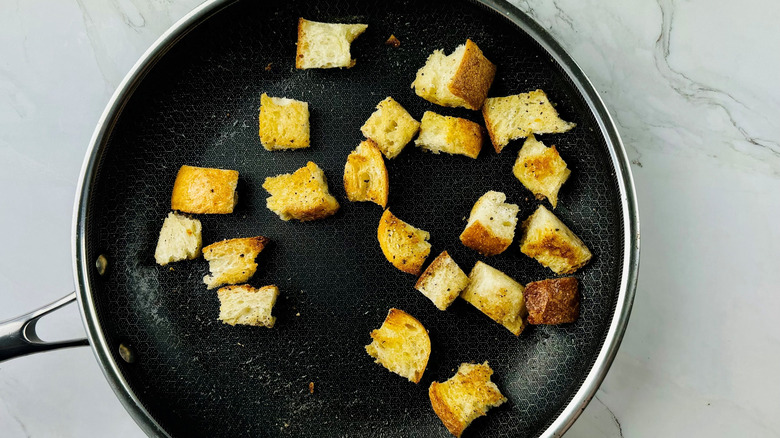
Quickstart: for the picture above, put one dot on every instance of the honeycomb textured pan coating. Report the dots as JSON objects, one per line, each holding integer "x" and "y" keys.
{"x": 199, "y": 106}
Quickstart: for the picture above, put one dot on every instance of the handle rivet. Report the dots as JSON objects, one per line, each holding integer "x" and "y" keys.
{"x": 101, "y": 264}
{"x": 126, "y": 353}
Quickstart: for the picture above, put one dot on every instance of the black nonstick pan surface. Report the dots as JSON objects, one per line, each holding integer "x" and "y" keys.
{"x": 198, "y": 104}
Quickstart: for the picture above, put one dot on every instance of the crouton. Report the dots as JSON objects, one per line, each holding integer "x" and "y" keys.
{"x": 491, "y": 225}
{"x": 232, "y": 261}
{"x": 541, "y": 170}
{"x": 365, "y": 175}
{"x": 391, "y": 127}
{"x": 204, "y": 190}
{"x": 302, "y": 195}
{"x": 246, "y": 305}
{"x": 461, "y": 79}
{"x": 451, "y": 135}
{"x": 553, "y": 301}
{"x": 517, "y": 116}
{"x": 498, "y": 296}
{"x": 442, "y": 281}
{"x": 552, "y": 243}
{"x": 284, "y": 123}
{"x": 403, "y": 245}
{"x": 466, "y": 396}
{"x": 180, "y": 239}
{"x": 325, "y": 45}
{"x": 401, "y": 345}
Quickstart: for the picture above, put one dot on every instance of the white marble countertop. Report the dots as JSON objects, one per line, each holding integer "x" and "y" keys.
{"x": 692, "y": 87}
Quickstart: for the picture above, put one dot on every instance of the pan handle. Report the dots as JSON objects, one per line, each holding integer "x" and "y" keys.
{"x": 18, "y": 337}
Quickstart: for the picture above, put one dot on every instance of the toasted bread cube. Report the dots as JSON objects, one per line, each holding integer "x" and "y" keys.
{"x": 451, "y": 135}
{"x": 462, "y": 78}
{"x": 465, "y": 397}
{"x": 365, "y": 175}
{"x": 541, "y": 169}
{"x": 301, "y": 195}
{"x": 284, "y": 123}
{"x": 498, "y": 296}
{"x": 401, "y": 345}
{"x": 442, "y": 281}
{"x": 491, "y": 226}
{"x": 520, "y": 115}
{"x": 391, "y": 127}
{"x": 403, "y": 245}
{"x": 246, "y": 305}
{"x": 180, "y": 239}
{"x": 552, "y": 243}
{"x": 232, "y": 261}
{"x": 552, "y": 301}
{"x": 325, "y": 45}
{"x": 204, "y": 190}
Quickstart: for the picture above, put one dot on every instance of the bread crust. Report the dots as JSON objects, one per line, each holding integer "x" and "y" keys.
{"x": 373, "y": 184}
{"x": 482, "y": 239}
{"x": 204, "y": 190}
{"x": 473, "y": 77}
{"x": 553, "y": 301}
{"x": 403, "y": 245}
{"x": 299, "y": 51}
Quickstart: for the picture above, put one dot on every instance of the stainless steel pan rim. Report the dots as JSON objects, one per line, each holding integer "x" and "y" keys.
{"x": 82, "y": 268}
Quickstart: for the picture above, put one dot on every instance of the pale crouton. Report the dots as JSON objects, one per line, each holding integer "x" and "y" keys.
{"x": 284, "y": 123}
{"x": 442, "y": 281}
{"x": 451, "y": 135}
{"x": 541, "y": 169}
{"x": 498, "y": 296}
{"x": 391, "y": 127}
{"x": 552, "y": 243}
{"x": 401, "y": 345}
{"x": 553, "y": 301}
{"x": 365, "y": 175}
{"x": 491, "y": 226}
{"x": 246, "y": 305}
{"x": 465, "y": 397}
{"x": 325, "y": 45}
{"x": 403, "y": 245}
{"x": 462, "y": 78}
{"x": 180, "y": 239}
{"x": 301, "y": 195}
{"x": 204, "y": 190}
{"x": 520, "y": 115}
{"x": 232, "y": 261}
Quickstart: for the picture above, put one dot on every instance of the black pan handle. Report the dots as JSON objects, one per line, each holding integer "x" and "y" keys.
{"x": 18, "y": 337}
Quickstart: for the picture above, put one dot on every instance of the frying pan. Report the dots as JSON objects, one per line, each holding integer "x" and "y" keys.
{"x": 193, "y": 99}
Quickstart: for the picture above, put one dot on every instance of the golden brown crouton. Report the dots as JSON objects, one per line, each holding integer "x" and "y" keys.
{"x": 204, "y": 190}
{"x": 520, "y": 115}
{"x": 498, "y": 296}
{"x": 401, "y": 345}
{"x": 462, "y": 78}
{"x": 451, "y": 135}
{"x": 465, "y": 397}
{"x": 442, "y": 281}
{"x": 491, "y": 226}
{"x": 553, "y": 301}
{"x": 541, "y": 169}
{"x": 325, "y": 45}
{"x": 552, "y": 243}
{"x": 284, "y": 123}
{"x": 301, "y": 195}
{"x": 391, "y": 127}
{"x": 403, "y": 245}
{"x": 232, "y": 261}
{"x": 246, "y": 305}
{"x": 365, "y": 175}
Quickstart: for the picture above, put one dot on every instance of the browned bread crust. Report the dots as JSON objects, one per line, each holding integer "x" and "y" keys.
{"x": 482, "y": 239}
{"x": 473, "y": 77}
{"x": 403, "y": 245}
{"x": 204, "y": 190}
{"x": 552, "y": 301}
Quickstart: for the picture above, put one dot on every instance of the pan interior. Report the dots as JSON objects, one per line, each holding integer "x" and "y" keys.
{"x": 199, "y": 106}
